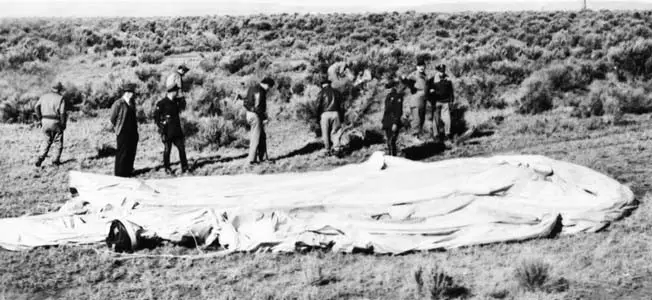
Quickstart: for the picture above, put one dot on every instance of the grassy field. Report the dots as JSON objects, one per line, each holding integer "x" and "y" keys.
{"x": 614, "y": 264}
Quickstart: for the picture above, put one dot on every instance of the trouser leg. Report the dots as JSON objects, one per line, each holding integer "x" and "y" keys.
{"x": 388, "y": 139}
{"x": 393, "y": 139}
{"x": 121, "y": 156}
{"x": 325, "y": 131}
{"x": 48, "y": 138}
{"x": 131, "y": 158}
{"x": 59, "y": 140}
{"x": 446, "y": 118}
{"x": 181, "y": 148}
{"x": 436, "y": 121}
{"x": 336, "y": 125}
{"x": 167, "y": 148}
{"x": 254, "y": 135}
{"x": 262, "y": 145}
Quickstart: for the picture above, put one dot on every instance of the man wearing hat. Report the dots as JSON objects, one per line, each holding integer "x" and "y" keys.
{"x": 443, "y": 96}
{"x": 393, "y": 114}
{"x": 418, "y": 97}
{"x": 331, "y": 113}
{"x": 51, "y": 112}
{"x": 166, "y": 115}
{"x": 125, "y": 126}
{"x": 256, "y": 105}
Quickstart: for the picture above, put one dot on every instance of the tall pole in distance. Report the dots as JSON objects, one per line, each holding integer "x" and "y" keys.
{"x": 584, "y": 8}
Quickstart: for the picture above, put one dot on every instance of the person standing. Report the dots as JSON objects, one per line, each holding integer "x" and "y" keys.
{"x": 166, "y": 115}
{"x": 331, "y": 114}
{"x": 51, "y": 112}
{"x": 418, "y": 97}
{"x": 443, "y": 96}
{"x": 256, "y": 105}
{"x": 125, "y": 126}
{"x": 393, "y": 114}
{"x": 176, "y": 78}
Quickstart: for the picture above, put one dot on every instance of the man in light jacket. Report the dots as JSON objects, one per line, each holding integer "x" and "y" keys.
{"x": 51, "y": 112}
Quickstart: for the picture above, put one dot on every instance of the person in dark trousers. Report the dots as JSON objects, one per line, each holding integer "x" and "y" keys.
{"x": 393, "y": 114}
{"x": 256, "y": 105}
{"x": 125, "y": 126}
{"x": 51, "y": 112}
{"x": 331, "y": 114}
{"x": 166, "y": 115}
{"x": 443, "y": 97}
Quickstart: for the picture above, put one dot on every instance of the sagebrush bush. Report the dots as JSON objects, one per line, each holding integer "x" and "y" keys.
{"x": 532, "y": 275}
{"x": 535, "y": 95}
{"x": 154, "y": 58}
{"x": 145, "y": 74}
{"x": 435, "y": 283}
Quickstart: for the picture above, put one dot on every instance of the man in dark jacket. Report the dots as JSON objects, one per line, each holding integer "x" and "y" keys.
{"x": 166, "y": 115}
{"x": 256, "y": 105}
{"x": 443, "y": 97}
{"x": 393, "y": 114}
{"x": 51, "y": 112}
{"x": 125, "y": 126}
{"x": 331, "y": 114}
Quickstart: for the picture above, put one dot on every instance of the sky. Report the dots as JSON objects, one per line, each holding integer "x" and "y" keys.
{"x": 146, "y": 8}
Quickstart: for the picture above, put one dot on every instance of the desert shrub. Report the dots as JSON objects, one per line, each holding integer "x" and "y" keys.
{"x": 193, "y": 78}
{"x": 633, "y": 57}
{"x": 215, "y": 132}
{"x": 19, "y": 109}
{"x": 234, "y": 62}
{"x": 306, "y": 109}
{"x": 298, "y": 88}
{"x": 534, "y": 95}
{"x": 284, "y": 87}
{"x": 119, "y": 52}
{"x": 206, "y": 99}
{"x": 532, "y": 275}
{"x": 209, "y": 64}
{"x": 479, "y": 91}
{"x": 435, "y": 283}
{"x": 154, "y": 58}
{"x": 145, "y": 74}
{"x": 514, "y": 72}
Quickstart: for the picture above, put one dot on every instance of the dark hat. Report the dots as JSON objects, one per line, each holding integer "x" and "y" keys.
{"x": 325, "y": 81}
{"x": 268, "y": 81}
{"x": 173, "y": 88}
{"x": 421, "y": 61}
{"x": 441, "y": 68}
{"x": 184, "y": 68}
{"x": 129, "y": 87}
{"x": 57, "y": 87}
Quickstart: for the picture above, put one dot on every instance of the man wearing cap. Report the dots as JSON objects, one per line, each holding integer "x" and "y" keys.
{"x": 418, "y": 97}
{"x": 340, "y": 74}
{"x": 256, "y": 105}
{"x": 51, "y": 112}
{"x": 393, "y": 114}
{"x": 176, "y": 78}
{"x": 125, "y": 126}
{"x": 443, "y": 97}
{"x": 331, "y": 114}
{"x": 166, "y": 115}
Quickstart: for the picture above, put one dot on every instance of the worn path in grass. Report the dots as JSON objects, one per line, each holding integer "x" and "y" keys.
{"x": 614, "y": 264}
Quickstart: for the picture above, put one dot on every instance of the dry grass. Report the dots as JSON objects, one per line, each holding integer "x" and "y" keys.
{"x": 613, "y": 264}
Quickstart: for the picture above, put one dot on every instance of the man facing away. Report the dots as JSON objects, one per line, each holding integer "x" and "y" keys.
{"x": 256, "y": 105}
{"x": 166, "y": 115}
{"x": 51, "y": 112}
{"x": 418, "y": 97}
{"x": 393, "y": 114}
{"x": 331, "y": 114}
{"x": 125, "y": 126}
{"x": 443, "y": 96}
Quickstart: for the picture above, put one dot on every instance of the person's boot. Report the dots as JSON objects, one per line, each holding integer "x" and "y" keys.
{"x": 56, "y": 162}
{"x": 38, "y": 163}
{"x": 169, "y": 171}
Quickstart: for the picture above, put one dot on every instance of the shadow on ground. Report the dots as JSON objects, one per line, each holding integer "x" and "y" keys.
{"x": 307, "y": 149}
{"x": 193, "y": 164}
{"x": 423, "y": 151}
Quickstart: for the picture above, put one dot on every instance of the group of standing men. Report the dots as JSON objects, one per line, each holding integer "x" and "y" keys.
{"x": 417, "y": 88}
